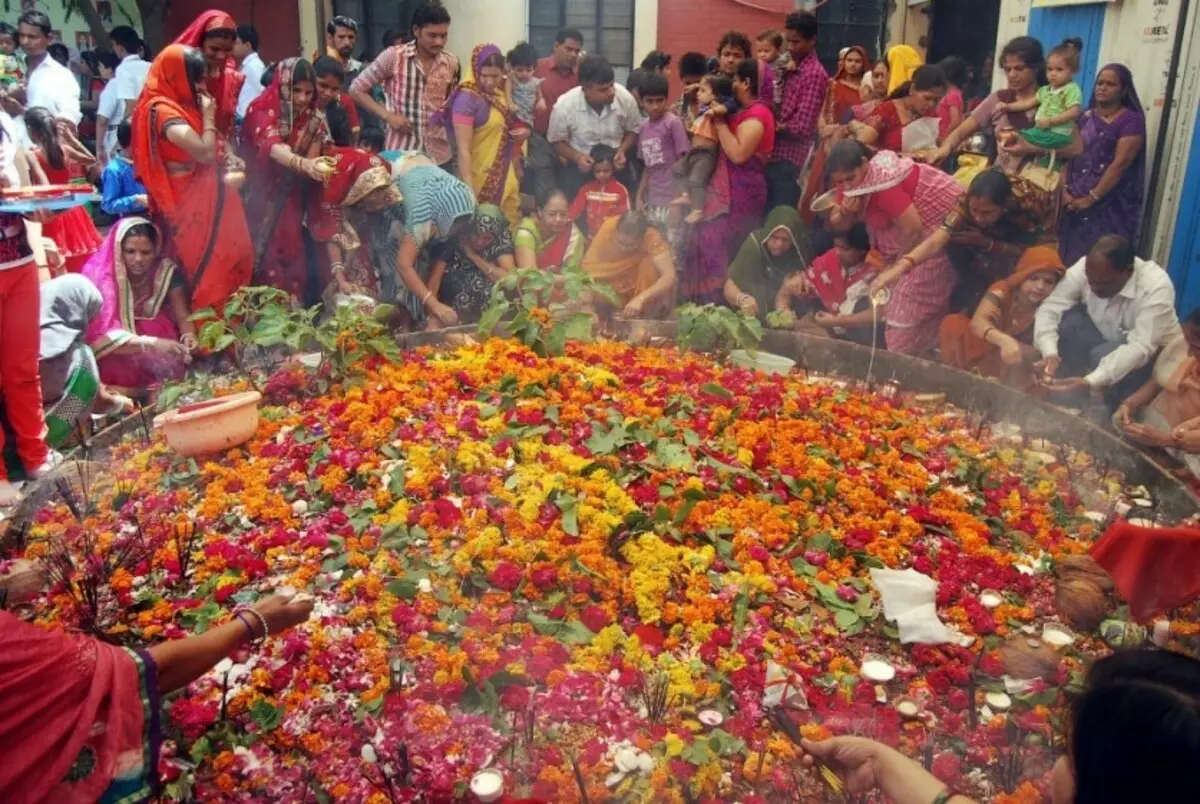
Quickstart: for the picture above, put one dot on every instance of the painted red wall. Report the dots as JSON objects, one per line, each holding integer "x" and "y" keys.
{"x": 279, "y": 34}
{"x": 698, "y": 25}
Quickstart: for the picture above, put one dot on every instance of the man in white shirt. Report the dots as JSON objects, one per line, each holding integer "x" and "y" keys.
{"x": 47, "y": 83}
{"x": 245, "y": 50}
{"x": 131, "y": 73}
{"x": 597, "y": 112}
{"x": 1105, "y": 322}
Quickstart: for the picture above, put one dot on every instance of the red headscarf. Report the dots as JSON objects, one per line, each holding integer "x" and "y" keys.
{"x": 273, "y": 118}
{"x": 167, "y": 96}
{"x": 226, "y": 87}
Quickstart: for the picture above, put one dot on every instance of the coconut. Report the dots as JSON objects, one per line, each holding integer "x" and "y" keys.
{"x": 1081, "y": 603}
{"x": 1027, "y": 658}
{"x": 1085, "y": 567}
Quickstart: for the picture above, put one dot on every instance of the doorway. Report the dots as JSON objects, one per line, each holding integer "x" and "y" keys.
{"x": 964, "y": 28}
{"x": 375, "y": 18}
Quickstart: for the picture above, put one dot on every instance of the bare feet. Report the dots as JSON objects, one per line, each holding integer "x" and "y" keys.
{"x": 695, "y": 216}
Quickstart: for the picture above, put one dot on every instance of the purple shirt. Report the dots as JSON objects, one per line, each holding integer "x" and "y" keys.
{"x": 660, "y": 144}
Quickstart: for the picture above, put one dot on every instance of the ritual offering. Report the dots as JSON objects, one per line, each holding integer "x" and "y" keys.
{"x": 47, "y": 197}
{"x": 566, "y": 570}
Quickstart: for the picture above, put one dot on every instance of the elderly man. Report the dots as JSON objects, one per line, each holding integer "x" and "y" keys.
{"x": 597, "y": 112}
{"x": 1105, "y": 322}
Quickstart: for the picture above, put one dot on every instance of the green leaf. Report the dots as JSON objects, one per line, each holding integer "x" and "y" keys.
{"x": 570, "y": 632}
{"x": 396, "y": 481}
{"x": 266, "y": 716}
{"x": 716, "y": 390}
{"x": 675, "y": 456}
{"x": 200, "y": 749}
{"x": 404, "y": 589}
{"x": 698, "y": 753}
{"x": 820, "y": 542}
{"x": 741, "y": 610}
{"x": 846, "y": 619}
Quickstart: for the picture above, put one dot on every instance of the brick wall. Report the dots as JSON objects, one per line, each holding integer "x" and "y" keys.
{"x": 698, "y": 25}
{"x": 278, "y": 31}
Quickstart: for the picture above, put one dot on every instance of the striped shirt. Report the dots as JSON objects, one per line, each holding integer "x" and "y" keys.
{"x": 415, "y": 94}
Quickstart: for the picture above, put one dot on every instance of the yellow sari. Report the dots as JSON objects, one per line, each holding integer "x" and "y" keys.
{"x": 495, "y": 158}
{"x": 626, "y": 273}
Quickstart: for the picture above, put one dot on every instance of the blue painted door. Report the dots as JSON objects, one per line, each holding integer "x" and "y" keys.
{"x": 1052, "y": 25}
{"x": 1184, "y": 265}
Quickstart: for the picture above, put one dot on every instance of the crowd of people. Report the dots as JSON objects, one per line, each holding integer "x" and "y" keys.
{"x": 898, "y": 204}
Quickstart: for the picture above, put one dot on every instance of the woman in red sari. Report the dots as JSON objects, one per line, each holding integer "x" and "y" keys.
{"x": 845, "y": 92}
{"x": 176, "y": 153}
{"x": 213, "y": 34}
{"x": 282, "y": 136}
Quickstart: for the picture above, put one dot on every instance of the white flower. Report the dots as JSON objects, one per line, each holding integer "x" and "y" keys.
{"x": 424, "y": 585}
{"x": 300, "y": 507}
{"x": 368, "y": 754}
{"x": 224, "y": 666}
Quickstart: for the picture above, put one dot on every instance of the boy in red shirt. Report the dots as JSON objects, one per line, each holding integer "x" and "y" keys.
{"x": 602, "y": 198}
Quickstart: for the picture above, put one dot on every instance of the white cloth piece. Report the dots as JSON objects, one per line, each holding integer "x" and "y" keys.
{"x": 253, "y": 68}
{"x": 110, "y": 107}
{"x": 1142, "y": 315}
{"x": 910, "y": 600}
{"x": 781, "y": 680}
{"x": 130, "y": 77}
{"x": 53, "y": 87}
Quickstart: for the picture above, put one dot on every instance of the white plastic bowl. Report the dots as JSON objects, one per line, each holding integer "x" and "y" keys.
{"x": 762, "y": 361}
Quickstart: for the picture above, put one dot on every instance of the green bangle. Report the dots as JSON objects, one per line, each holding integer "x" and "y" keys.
{"x": 945, "y": 796}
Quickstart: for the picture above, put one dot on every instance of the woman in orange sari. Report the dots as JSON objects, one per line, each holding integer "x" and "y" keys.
{"x": 845, "y": 92}
{"x": 997, "y": 341}
{"x": 282, "y": 136}
{"x": 176, "y": 152}
{"x": 213, "y": 34}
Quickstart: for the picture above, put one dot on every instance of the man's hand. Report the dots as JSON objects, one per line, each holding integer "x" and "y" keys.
{"x": 399, "y": 122}
{"x": 1066, "y": 386}
{"x": 620, "y": 160}
{"x": 1048, "y": 366}
{"x": 584, "y": 163}
{"x": 635, "y": 308}
{"x": 142, "y": 200}
{"x": 827, "y": 320}
{"x": 520, "y": 135}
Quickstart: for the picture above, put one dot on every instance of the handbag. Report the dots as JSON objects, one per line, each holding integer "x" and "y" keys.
{"x": 1048, "y": 178}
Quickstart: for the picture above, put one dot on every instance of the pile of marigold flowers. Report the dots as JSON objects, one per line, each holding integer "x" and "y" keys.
{"x": 598, "y": 573}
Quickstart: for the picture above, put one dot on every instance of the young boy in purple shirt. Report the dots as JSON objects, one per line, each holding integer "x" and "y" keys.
{"x": 661, "y": 142}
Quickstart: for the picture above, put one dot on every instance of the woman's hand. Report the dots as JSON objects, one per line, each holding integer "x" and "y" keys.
{"x": 309, "y": 168}
{"x": 1078, "y": 204}
{"x": 827, "y": 320}
{"x": 1010, "y": 352}
{"x": 443, "y": 313}
{"x": 889, "y": 277}
{"x": 855, "y": 759}
{"x": 208, "y": 106}
{"x": 166, "y": 348}
{"x": 1188, "y": 441}
{"x": 1150, "y": 436}
{"x": 284, "y": 611}
{"x": 635, "y": 308}
{"x": 938, "y": 155}
{"x": 748, "y": 304}
{"x": 189, "y": 341}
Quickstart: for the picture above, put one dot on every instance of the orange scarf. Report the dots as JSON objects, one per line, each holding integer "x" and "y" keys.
{"x": 167, "y": 96}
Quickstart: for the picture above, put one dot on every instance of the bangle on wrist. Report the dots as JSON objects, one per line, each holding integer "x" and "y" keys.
{"x": 987, "y": 334}
{"x": 253, "y": 612}
{"x": 244, "y": 620}
{"x": 426, "y": 297}
{"x": 1092, "y": 195}
{"x": 945, "y": 796}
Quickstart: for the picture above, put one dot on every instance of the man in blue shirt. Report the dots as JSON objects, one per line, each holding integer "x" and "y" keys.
{"x": 122, "y": 193}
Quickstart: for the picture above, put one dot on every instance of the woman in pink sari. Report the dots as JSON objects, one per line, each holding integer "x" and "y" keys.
{"x": 282, "y": 137}
{"x": 737, "y": 192}
{"x": 80, "y": 720}
{"x": 902, "y": 202}
{"x": 142, "y": 335}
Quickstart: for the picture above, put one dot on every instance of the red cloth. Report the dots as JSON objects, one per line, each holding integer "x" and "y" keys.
{"x": 275, "y": 201}
{"x": 555, "y": 83}
{"x": 19, "y": 380}
{"x": 225, "y": 86}
{"x": 830, "y": 280}
{"x": 599, "y": 202}
{"x": 886, "y": 120}
{"x": 63, "y": 695}
{"x": 1155, "y": 569}
{"x": 205, "y": 220}
{"x": 71, "y": 230}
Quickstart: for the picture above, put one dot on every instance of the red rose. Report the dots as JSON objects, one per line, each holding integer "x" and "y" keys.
{"x": 515, "y": 698}
{"x": 545, "y": 577}
{"x": 595, "y": 618}
{"x": 505, "y": 576}
{"x": 958, "y": 699}
{"x": 947, "y": 766}
{"x": 649, "y": 636}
